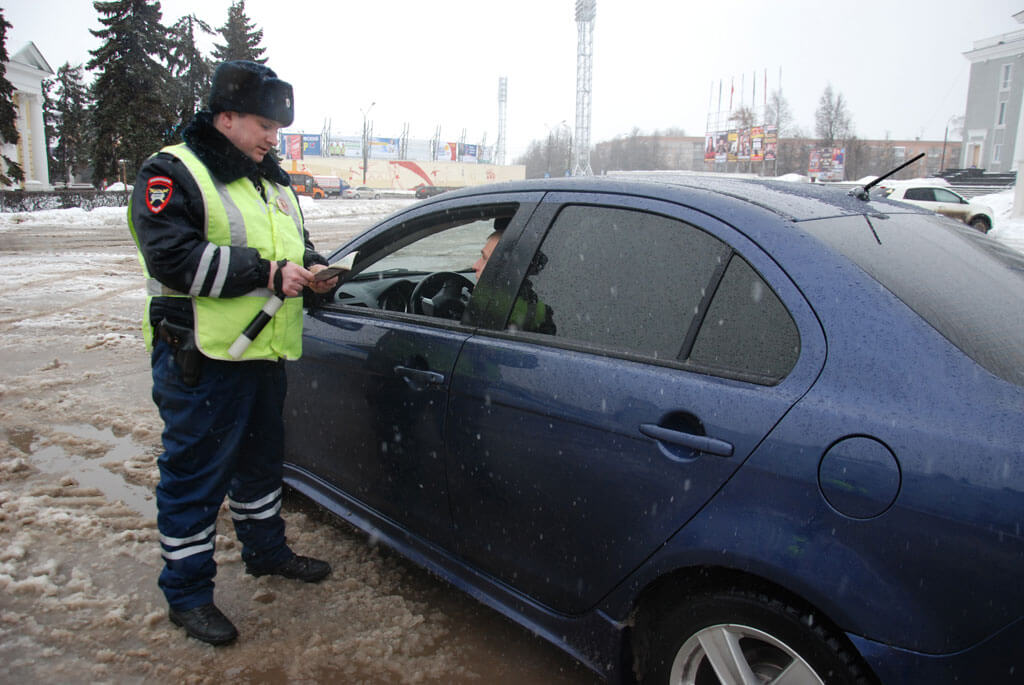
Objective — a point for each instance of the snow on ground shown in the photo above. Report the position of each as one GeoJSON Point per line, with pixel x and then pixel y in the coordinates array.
{"type": "Point", "coordinates": [79, 436]}
{"type": "Point", "coordinates": [78, 441]}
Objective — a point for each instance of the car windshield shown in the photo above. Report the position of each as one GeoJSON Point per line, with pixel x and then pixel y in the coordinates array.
{"type": "Point", "coordinates": [966, 285]}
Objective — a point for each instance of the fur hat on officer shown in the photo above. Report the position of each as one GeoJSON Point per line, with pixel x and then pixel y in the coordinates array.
{"type": "Point", "coordinates": [251, 88]}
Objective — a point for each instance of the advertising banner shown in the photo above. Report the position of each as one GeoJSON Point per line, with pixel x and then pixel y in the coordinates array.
{"type": "Point", "coordinates": [291, 145]}
{"type": "Point", "coordinates": [828, 164]}
{"type": "Point", "coordinates": [709, 147]}
{"type": "Point", "coordinates": [744, 144]}
{"type": "Point", "coordinates": [771, 143]}
{"type": "Point", "coordinates": [721, 147]}
{"type": "Point", "coordinates": [734, 146]}
{"type": "Point", "coordinates": [468, 153]}
{"type": "Point", "coordinates": [311, 144]}
{"type": "Point", "coordinates": [757, 144]}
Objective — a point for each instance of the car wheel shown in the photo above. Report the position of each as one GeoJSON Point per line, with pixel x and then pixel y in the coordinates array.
{"type": "Point", "coordinates": [741, 636]}
{"type": "Point", "coordinates": [980, 223]}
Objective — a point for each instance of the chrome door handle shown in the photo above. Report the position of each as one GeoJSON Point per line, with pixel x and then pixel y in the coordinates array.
{"type": "Point", "coordinates": [419, 376]}
{"type": "Point", "coordinates": [701, 443]}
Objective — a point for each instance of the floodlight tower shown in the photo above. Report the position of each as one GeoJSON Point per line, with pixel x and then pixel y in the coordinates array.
{"type": "Point", "coordinates": [499, 146]}
{"type": "Point", "coordinates": [586, 10]}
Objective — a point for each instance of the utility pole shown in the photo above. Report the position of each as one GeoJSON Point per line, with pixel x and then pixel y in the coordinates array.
{"type": "Point", "coordinates": [499, 147]}
{"type": "Point", "coordinates": [366, 140]}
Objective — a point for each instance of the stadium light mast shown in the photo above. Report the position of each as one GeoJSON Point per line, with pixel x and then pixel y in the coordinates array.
{"type": "Point", "coordinates": [499, 146]}
{"type": "Point", "coordinates": [586, 10]}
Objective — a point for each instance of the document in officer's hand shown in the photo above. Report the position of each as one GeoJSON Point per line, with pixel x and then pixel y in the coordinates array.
{"type": "Point", "coordinates": [345, 264]}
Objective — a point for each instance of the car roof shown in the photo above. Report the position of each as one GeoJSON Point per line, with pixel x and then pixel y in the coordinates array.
{"type": "Point", "coordinates": [793, 201]}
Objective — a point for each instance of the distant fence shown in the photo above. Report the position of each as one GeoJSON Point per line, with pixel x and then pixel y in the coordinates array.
{"type": "Point", "coordinates": [22, 201]}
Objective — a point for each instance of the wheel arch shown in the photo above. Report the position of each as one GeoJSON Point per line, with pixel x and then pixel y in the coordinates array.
{"type": "Point", "coordinates": [653, 602]}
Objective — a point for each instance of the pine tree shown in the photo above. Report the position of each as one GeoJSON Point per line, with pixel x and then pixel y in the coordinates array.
{"type": "Point", "coordinates": [68, 115]}
{"type": "Point", "coordinates": [241, 37]}
{"type": "Point", "coordinates": [133, 91]}
{"type": "Point", "coordinates": [50, 126]}
{"type": "Point", "coordinates": [11, 173]}
{"type": "Point", "coordinates": [192, 72]}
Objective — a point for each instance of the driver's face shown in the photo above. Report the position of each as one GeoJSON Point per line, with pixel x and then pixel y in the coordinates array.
{"type": "Point", "coordinates": [485, 253]}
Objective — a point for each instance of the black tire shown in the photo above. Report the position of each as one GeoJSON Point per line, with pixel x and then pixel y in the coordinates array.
{"type": "Point", "coordinates": [767, 637]}
{"type": "Point", "coordinates": [980, 223]}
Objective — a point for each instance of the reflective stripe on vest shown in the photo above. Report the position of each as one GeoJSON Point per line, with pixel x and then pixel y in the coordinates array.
{"type": "Point", "coordinates": [237, 216]}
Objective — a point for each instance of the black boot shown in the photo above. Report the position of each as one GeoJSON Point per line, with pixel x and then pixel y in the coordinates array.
{"type": "Point", "coordinates": [205, 623]}
{"type": "Point", "coordinates": [306, 569]}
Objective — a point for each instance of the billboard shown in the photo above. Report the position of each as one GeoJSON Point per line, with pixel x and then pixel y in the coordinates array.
{"type": "Point", "coordinates": [311, 144]}
{"type": "Point", "coordinates": [733, 153]}
{"type": "Point", "coordinates": [827, 164]}
{"type": "Point", "coordinates": [291, 145]}
{"type": "Point", "coordinates": [757, 144]}
{"type": "Point", "coordinates": [771, 142]}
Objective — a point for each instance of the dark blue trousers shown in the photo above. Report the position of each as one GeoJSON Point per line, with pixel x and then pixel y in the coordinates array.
{"type": "Point", "coordinates": [222, 437]}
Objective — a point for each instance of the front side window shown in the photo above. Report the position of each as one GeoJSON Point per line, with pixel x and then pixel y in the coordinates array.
{"type": "Point", "coordinates": [1004, 81]}
{"type": "Point", "coordinates": [425, 267]}
{"type": "Point", "coordinates": [646, 285]}
{"type": "Point", "coordinates": [943, 195]}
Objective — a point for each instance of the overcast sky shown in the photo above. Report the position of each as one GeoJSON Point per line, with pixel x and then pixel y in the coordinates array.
{"type": "Point", "coordinates": [657, 63]}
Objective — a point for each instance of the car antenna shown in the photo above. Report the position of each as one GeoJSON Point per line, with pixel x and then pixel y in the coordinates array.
{"type": "Point", "coordinates": [861, 192]}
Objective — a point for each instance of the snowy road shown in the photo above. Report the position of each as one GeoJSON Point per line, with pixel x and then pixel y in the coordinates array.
{"type": "Point", "coordinates": [78, 566]}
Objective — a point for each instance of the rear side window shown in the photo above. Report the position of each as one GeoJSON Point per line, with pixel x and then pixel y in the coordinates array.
{"type": "Point", "coordinates": [969, 287]}
{"type": "Point", "coordinates": [642, 284]}
{"type": "Point", "coordinates": [747, 328]}
{"type": "Point", "coordinates": [920, 194]}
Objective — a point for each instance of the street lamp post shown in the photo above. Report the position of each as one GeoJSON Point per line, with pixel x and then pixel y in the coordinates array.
{"type": "Point", "coordinates": [955, 120]}
{"type": "Point", "coordinates": [366, 140]}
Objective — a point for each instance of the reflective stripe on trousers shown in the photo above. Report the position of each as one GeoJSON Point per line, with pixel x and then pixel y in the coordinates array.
{"type": "Point", "coordinates": [222, 438]}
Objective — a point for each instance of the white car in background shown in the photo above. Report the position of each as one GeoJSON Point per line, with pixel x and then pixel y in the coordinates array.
{"type": "Point", "coordinates": [360, 192]}
{"type": "Point", "coordinates": [943, 200]}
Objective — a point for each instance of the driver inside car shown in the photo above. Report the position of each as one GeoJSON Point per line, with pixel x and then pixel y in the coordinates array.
{"type": "Point", "coordinates": [529, 313]}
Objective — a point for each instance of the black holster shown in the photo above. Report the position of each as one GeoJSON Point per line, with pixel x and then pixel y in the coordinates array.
{"type": "Point", "coordinates": [186, 354]}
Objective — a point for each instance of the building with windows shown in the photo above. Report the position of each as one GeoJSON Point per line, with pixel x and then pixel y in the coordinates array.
{"type": "Point", "coordinates": [26, 71]}
{"type": "Point", "coordinates": [994, 118]}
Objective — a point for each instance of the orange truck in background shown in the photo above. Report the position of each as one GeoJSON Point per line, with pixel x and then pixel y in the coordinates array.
{"type": "Point", "coordinates": [303, 183]}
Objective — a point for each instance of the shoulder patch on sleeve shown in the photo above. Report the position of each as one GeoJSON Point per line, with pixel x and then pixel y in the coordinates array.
{"type": "Point", "coordinates": [158, 192]}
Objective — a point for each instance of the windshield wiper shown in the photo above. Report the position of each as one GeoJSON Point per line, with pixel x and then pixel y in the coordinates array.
{"type": "Point", "coordinates": [862, 192]}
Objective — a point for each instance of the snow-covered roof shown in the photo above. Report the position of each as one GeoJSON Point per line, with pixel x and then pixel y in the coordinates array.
{"type": "Point", "coordinates": [1003, 45]}
{"type": "Point", "coordinates": [31, 57]}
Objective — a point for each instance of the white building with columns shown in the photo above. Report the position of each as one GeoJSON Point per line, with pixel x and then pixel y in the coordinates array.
{"type": "Point", "coordinates": [26, 71]}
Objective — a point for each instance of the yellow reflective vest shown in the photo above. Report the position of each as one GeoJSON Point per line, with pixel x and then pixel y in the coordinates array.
{"type": "Point", "coordinates": [237, 216]}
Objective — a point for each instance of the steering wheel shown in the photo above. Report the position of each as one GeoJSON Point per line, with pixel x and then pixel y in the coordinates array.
{"type": "Point", "coordinates": [441, 294]}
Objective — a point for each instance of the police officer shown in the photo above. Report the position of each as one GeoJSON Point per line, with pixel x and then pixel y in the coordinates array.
{"type": "Point", "coordinates": [219, 230]}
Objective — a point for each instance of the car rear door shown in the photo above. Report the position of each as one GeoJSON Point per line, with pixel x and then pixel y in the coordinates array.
{"type": "Point", "coordinates": [578, 440]}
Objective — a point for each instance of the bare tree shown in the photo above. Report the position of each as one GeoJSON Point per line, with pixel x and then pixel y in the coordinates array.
{"type": "Point", "coordinates": [744, 117]}
{"type": "Point", "coordinates": [832, 119]}
{"type": "Point", "coordinates": [779, 114]}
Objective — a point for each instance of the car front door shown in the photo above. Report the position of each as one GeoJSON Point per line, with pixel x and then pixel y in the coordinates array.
{"type": "Point", "coordinates": [649, 351]}
{"type": "Point", "coordinates": [366, 402]}
{"type": "Point", "coordinates": [950, 204]}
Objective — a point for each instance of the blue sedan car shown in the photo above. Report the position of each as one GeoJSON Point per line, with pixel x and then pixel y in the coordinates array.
{"type": "Point", "coordinates": [691, 430]}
